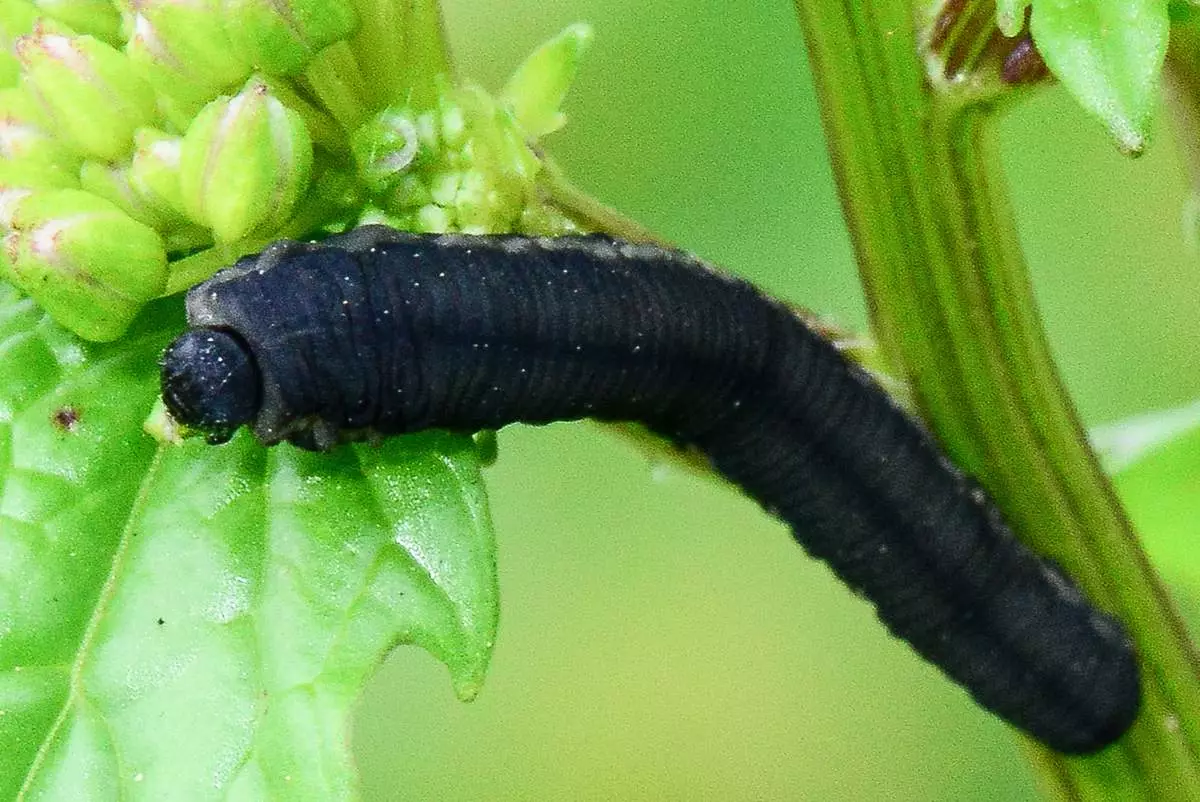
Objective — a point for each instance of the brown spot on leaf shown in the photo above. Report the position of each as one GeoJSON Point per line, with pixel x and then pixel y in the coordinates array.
{"type": "Point", "coordinates": [65, 418]}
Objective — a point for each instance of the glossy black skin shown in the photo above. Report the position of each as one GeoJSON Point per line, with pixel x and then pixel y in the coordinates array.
{"type": "Point", "coordinates": [209, 379]}
{"type": "Point", "coordinates": [382, 332]}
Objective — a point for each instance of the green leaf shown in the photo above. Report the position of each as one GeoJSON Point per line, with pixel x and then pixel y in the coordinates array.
{"type": "Point", "coordinates": [1109, 55]}
{"type": "Point", "coordinates": [199, 620]}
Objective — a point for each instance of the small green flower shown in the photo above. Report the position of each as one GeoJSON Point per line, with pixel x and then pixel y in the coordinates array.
{"type": "Point", "coordinates": [100, 18]}
{"type": "Point", "coordinates": [16, 20]}
{"type": "Point", "coordinates": [463, 166]}
{"type": "Point", "coordinates": [433, 219]}
{"type": "Point", "coordinates": [281, 37]}
{"type": "Point", "coordinates": [166, 156]}
{"type": "Point", "coordinates": [18, 181]}
{"type": "Point", "coordinates": [155, 169]}
{"type": "Point", "coordinates": [181, 48]}
{"type": "Point", "coordinates": [27, 138]}
{"type": "Point", "coordinates": [85, 261]}
{"type": "Point", "coordinates": [244, 163]}
{"type": "Point", "coordinates": [91, 91]}
{"type": "Point", "coordinates": [119, 185]}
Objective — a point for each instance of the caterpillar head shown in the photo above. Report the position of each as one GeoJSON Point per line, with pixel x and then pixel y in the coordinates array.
{"type": "Point", "coordinates": [211, 382]}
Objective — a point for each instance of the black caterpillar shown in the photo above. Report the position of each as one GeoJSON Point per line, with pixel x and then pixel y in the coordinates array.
{"type": "Point", "coordinates": [381, 332]}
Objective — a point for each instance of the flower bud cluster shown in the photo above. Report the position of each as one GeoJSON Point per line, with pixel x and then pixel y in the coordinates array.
{"type": "Point", "coordinates": [138, 138]}
{"type": "Point", "coordinates": [468, 163]}
{"type": "Point", "coordinates": [462, 166]}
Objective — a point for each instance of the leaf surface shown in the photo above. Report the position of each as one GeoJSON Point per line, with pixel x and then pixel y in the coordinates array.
{"type": "Point", "coordinates": [1109, 55]}
{"type": "Point", "coordinates": [201, 619]}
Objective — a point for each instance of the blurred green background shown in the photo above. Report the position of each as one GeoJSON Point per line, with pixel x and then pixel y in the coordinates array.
{"type": "Point", "coordinates": [661, 638]}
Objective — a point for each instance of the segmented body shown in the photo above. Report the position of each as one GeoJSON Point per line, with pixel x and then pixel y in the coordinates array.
{"type": "Point", "coordinates": [386, 332]}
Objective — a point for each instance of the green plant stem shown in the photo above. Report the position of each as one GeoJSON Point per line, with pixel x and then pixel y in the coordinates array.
{"type": "Point", "coordinates": [379, 48]}
{"type": "Point", "coordinates": [950, 300]}
{"type": "Point", "coordinates": [593, 215]}
{"type": "Point", "coordinates": [191, 270]}
{"type": "Point", "coordinates": [1181, 75]}
{"type": "Point", "coordinates": [426, 56]}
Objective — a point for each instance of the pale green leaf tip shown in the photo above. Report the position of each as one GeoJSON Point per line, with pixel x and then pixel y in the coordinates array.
{"type": "Point", "coordinates": [537, 88]}
{"type": "Point", "coordinates": [468, 659]}
{"type": "Point", "coordinates": [1128, 132]}
{"type": "Point", "coordinates": [468, 683]}
{"type": "Point", "coordinates": [1130, 137]}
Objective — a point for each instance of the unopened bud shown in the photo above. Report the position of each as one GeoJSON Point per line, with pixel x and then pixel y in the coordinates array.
{"type": "Point", "coordinates": [281, 37]}
{"type": "Point", "coordinates": [118, 185]}
{"type": "Point", "coordinates": [99, 18]}
{"type": "Point", "coordinates": [93, 92]}
{"type": "Point", "coordinates": [244, 163]}
{"type": "Point", "coordinates": [183, 51]}
{"type": "Point", "coordinates": [26, 137]}
{"type": "Point", "coordinates": [16, 19]}
{"type": "Point", "coordinates": [433, 220]}
{"type": "Point", "coordinates": [19, 180]}
{"type": "Point", "coordinates": [384, 148]}
{"type": "Point", "coordinates": [155, 168]}
{"type": "Point", "coordinates": [485, 206]}
{"type": "Point", "coordinates": [90, 265]}
{"type": "Point", "coordinates": [537, 88]}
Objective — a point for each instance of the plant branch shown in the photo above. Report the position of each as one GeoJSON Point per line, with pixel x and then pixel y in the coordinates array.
{"type": "Point", "coordinates": [1181, 75]}
{"type": "Point", "coordinates": [948, 291]}
{"type": "Point", "coordinates": [593, 215]}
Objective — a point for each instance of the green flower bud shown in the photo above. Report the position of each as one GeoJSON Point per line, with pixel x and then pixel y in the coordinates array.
{"type": "Point", "coordinates": [444, 187]}
{"type": "Point", "coordinates": [90, 265]}
{"type": "Point", "coordinates": [100, 18]}
{"type": "Point", "coordinates": [281, 36]}
{"type": "Point", "coordinates": [453, 123]}
{"type": "Point", "coordinates": [18, 180]}
{"type": "Point", "coordinates": [384, 148]}
{"type": "Point", "coordinates": [536, 90]}
{"type": "Point", "coordinates": [16, 19]}
{"type": "Point", "coordinates": [410, 193]}
{"type": "Point", "coordinates": [471, 170]}
{"type": "Point", "coordinates": [26, 138]}
{"type": "Point", "coordinates": [245, 161]}
{"type": "Point", "coordinates": [155, 168]}
{"type": "Point", "coordinates": [433, 220]}
{"type": "Point", "coordinates": [182, 49]}
{"type": "Point", "coordinates": [119, 185]}
{"type": "Point", "coordinates": [484, 206]}
{"type": "Point", "coordinates": [495, 144]}
{"type": "Point", "coordinates": [92, 91]}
